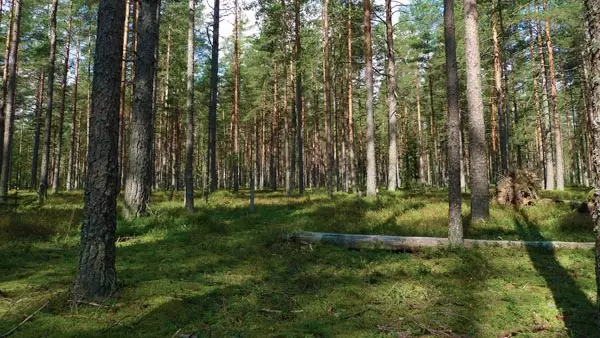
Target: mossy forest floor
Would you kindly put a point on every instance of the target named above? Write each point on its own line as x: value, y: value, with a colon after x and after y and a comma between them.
x: 224, y: 272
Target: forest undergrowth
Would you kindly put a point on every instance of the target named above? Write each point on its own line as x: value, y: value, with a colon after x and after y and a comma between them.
x: 225, y: 272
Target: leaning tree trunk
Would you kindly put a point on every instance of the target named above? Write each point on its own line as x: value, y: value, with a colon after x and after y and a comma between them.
x: 96, y: 276
x: 371, y: 165
x: 9, y: 105
x: 391, y: 100
x: 45, y: 168
x: 477, y: 150
x: 140, y: 159
x: 61, y: 110
x: 593, y: 19
x: 189, y: 133
x: 455, y: 229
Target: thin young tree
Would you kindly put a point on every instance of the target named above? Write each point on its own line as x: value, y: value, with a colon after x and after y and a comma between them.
x: 45, y: 168
x: 455, y: 228
x: 371, y: 164
x: 140, y: 156
x: 477, y: 149
x: 189, y: 136
x: 10, y: 104
x: 96, y: 275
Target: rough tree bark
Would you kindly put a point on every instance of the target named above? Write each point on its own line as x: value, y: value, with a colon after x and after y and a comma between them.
x: 391, y: 100
x: 45, y: 168
x: 477, y: 149
x: 371, y: 164
x: 593, y: 20
x: 189, y: 133
x: 140, y: 158
x: 9, y: 105
x: 455, y: 228
x: 96, y: 276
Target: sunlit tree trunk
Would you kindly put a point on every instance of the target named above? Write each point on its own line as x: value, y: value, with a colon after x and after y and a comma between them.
x: 236, y: 96
x: 477, y: 150
x: 593, y: 19
x: 299, y: 106
x: 391, y: 99
x: 45, y: 168
x: 455, y: 229
x: 547, y: 139
x: 122, y: 96
x: 140, y: 158
x: 327, y: 99
x: 96, y: 275
x: 189, y: 134
x: 371, y: 165
x: 212, y: 108
x: 351, y: 159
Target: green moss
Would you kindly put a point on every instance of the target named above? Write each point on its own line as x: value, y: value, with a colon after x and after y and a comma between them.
x: 224, y: 272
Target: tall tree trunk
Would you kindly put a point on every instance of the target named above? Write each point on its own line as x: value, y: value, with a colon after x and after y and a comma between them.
x: 212, y: 108
x: 455, y: 228
x: 536, y: 99
x: 558, y: 144
x: 96, y: 275
x: 61, y: 110
x: 419, y: 122
x: 122, y: 148
x: 352, y: 166
x: 327, y: 98
x: 236, y: 98
x: 39, y: 102
x: 140, y: 158
x: 50, y: 104
x: 499, y: 90
x: 391, y: 100
x: 10, y: 105
x: 371, y: 165
x: 299, y: 106
x: 547, y: 139
x: 189, y: 134
x: 4, y: 78
x: 477, y: 151
x: 593, y: 19
x: 74, y: 128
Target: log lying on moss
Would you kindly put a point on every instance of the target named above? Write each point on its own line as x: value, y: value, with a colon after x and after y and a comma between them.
x: 415, y: 243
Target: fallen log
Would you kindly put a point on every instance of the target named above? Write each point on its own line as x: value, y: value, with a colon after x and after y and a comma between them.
x: 415, y: 243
